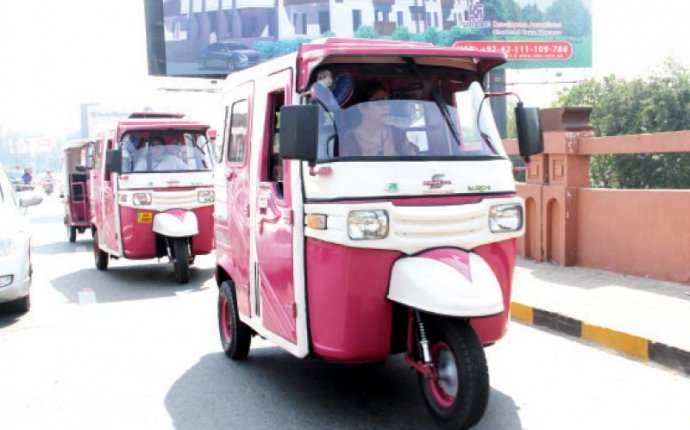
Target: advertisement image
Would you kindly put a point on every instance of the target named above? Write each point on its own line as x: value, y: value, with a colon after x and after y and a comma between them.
x: 216, y: 37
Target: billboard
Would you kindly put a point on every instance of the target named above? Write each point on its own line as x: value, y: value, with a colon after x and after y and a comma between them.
x: 211, y: 38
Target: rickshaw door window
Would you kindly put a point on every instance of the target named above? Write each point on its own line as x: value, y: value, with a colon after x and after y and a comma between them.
x: 238, y: 132
x: 275, y: 163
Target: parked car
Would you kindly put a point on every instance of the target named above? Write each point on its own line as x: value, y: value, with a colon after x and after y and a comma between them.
x: 15, y: 247
x: 228, y: 56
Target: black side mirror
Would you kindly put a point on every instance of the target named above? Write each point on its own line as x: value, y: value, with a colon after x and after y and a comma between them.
x: 299, y: 132
x: 529, y: 130
x: 81, y: 169
x: 113, y: 161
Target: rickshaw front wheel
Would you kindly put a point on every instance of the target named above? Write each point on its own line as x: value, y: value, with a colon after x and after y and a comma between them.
x: 457, y: 396
x: 181, y: 259
x: 235, y: 336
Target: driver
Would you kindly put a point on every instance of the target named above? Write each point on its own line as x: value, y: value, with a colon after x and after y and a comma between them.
x: 373, y: 136
x: 158, y: 160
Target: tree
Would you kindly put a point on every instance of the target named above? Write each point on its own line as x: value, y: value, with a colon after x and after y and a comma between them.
x: 532, y: 13
x: 401, y: 33
x: 576, y: 19
x: 366, y: 32
x: 653, y: 104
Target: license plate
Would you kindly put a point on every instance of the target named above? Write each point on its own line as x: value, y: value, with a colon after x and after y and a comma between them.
x: 145, y: 217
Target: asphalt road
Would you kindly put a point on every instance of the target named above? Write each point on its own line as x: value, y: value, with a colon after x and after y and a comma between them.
x: 131, y: 349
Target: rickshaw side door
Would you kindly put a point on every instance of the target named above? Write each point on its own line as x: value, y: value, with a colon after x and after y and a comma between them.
x: 96, y: 185
x: 110, y: 209
x: 274, y: 216
x: 232, y: 208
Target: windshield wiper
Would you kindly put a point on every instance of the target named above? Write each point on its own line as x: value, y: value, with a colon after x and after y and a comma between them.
x: 437, y: 97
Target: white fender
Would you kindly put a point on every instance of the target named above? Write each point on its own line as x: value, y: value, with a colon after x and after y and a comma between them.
x: 432, y: 286
x: 167, y: 224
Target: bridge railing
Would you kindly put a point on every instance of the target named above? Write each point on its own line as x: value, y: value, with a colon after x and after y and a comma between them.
x: 636, y: 232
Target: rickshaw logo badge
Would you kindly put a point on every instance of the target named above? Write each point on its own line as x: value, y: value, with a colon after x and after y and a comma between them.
x: 437, y: 181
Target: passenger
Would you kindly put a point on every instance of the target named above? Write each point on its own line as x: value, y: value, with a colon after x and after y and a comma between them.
x: 373, y: 136
x: 157, y: 160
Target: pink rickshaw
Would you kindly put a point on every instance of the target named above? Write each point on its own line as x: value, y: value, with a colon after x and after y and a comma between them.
x: 153, y: 194
x: 352, y: 254
x: 77, y: 159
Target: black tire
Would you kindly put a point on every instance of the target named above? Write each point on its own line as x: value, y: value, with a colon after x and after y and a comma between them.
x: 180, y: 250
x: 17, y: 306
x: 100, y: 257
x: 71, y: 233
x: 235, y: 336
x: 458, y: 398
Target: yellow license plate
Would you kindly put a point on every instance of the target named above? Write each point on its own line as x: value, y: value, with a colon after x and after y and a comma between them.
x: 145, y: 217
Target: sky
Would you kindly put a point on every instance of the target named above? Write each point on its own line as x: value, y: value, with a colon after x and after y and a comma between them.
x: 56, y: 55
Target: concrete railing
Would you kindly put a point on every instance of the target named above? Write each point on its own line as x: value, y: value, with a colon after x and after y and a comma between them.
x: 637, y: 232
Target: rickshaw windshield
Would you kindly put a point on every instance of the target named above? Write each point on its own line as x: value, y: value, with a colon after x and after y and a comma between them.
x: 405, y: 118
x: 165, y: 151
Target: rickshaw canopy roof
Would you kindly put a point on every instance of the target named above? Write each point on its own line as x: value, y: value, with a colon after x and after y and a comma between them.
x: 333, y: 50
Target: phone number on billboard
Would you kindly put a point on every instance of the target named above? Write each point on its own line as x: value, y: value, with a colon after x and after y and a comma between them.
x: 522, y: 50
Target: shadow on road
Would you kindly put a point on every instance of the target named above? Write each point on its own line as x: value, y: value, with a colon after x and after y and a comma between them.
x: 9, y: 318
x: 131, y: 282
x: 63, y: 247
x: 275, y: 390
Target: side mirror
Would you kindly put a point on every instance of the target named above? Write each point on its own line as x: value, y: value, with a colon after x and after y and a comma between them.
x: 211, y: 134
x: 113, y: 161
x: 33, y: 200
x: 529, y: 130
x: 299, y: 132
x: 81, y: 169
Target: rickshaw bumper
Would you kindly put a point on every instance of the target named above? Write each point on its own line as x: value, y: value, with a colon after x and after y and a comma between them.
x: 176, y: 223
x: 448, y: 282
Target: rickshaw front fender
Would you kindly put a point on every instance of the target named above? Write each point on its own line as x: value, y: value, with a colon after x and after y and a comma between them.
x: 448, y: 282
x: 176, y: 223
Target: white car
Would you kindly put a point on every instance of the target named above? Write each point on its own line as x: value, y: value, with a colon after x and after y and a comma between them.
x: 15, y: 247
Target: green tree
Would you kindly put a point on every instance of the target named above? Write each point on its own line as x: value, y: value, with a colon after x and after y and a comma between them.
x: 502, y: 10
x: 576, y: 19
x: 653, y: 104
x: 532, y: 13
x: 366, y: 32
x: 401, y: 33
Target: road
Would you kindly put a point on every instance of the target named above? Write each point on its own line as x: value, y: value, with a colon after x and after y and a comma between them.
x: 131, y: 349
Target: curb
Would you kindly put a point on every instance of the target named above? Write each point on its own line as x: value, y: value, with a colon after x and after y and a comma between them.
x: 627, y: 344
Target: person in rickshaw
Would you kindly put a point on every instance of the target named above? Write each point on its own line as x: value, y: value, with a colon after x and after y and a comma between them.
x: 158, y: 159
x: 372, y: 136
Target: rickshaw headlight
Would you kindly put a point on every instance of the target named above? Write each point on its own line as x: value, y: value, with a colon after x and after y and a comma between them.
x: 7, y: 245
x: 141, y: 199
x: 505, y: 218
x: 367, y: 225
x: 206, y: 196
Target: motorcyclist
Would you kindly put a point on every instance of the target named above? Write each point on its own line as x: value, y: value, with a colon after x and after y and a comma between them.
x: 26, y: 177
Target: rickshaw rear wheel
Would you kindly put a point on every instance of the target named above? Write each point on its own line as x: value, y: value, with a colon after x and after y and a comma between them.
x: 458, y: 396
x: 235, y: 336
x: 71, y: 233
x: 181, y: 259
x: 100, y: 257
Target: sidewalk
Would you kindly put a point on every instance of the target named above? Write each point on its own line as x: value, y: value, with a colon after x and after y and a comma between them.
x: 643, y: 318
